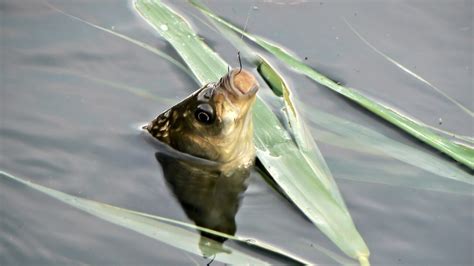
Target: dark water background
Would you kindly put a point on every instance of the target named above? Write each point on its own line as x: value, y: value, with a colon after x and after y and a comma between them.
x: 61, y: 129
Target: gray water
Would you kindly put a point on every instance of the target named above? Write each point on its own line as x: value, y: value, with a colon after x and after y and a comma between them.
x: 63, y: 129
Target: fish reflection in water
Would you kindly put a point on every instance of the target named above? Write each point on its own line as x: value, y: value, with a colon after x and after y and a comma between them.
x: 209, y: 196
x: 210, y: 150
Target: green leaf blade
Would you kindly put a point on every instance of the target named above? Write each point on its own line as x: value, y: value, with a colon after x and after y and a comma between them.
x: 174, y: 28
x: 150, y: 226
x: 310, y: 194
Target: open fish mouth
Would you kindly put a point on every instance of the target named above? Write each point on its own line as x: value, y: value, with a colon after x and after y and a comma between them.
x: 240, y: 83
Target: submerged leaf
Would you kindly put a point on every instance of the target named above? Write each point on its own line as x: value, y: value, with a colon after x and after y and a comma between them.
x: 462, y: 153
x: 168, y: 234
x: 304, y: 182
x: 372, y: 139
x: 162, y: 229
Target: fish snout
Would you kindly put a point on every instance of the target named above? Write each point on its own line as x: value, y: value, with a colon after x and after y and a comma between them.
x: 243, y: 83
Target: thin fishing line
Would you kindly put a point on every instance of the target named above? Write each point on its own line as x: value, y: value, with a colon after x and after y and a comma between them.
x: 242, y: 35
x: 246, y: 20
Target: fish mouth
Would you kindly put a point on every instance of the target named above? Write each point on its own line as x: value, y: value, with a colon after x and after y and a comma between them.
x: 242, y: 84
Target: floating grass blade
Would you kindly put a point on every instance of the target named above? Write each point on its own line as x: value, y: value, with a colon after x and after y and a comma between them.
x: 372, y: 139
x: 297, y: 127
x: 461, y: 153
x: 291, y: 171
x: 279, y: 86
x: 393, y: 175
x: 311, y: 191
x: 244, y: 240
x: 411, y: 73
x: 168, y: 234
x: 162, y: 229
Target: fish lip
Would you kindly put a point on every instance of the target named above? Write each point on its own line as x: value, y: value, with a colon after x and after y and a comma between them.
x: 236, y: 91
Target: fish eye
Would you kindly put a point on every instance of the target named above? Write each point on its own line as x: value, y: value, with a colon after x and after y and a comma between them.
x: 204, y: 113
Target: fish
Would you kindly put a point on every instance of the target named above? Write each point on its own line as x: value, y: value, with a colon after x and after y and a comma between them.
x: 207, y: 151
x: 213, y: 123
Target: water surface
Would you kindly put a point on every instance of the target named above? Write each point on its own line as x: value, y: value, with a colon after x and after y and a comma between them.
x: 63, y: 128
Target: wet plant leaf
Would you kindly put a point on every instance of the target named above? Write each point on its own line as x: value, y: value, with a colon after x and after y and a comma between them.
x: 371, y: 139
x: 464, y: 154
x: 297, y: 127
x: 165, y: 230
x: 391, y: 174
x: 304, y: 183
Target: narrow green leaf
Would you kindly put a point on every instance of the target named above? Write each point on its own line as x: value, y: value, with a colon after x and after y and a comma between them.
x: 392, y: 174
x: 291, y: 171
x: 306, y: 186
x: 462, y: 153
x: 153, y: 228
x: 372, y: 139
x: 162, y: 229
x: 297, y: 127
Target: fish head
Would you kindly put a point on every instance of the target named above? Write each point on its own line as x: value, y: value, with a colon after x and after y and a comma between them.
x: 215, y: 122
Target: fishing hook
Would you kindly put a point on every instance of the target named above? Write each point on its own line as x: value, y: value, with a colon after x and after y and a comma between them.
x: 240, y: 62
